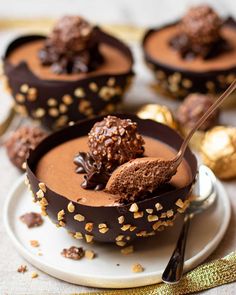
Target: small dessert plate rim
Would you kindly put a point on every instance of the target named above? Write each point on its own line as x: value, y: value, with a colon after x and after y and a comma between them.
x: 124, y: 278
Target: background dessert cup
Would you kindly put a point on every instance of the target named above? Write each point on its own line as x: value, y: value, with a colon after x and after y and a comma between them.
x: 178, y: 71
x: 56, y: 99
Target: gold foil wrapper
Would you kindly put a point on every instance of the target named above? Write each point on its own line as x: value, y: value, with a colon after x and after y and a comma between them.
x: 158, y: 113
x: 218, y: 151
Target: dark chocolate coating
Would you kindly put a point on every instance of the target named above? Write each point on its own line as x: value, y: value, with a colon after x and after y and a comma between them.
x: 21, y: 74
x: 109, y: 215
x: 189, y: 81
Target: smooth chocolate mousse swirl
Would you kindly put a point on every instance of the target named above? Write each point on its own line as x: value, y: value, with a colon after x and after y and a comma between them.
x: 96, y: 176
x: 72, y: 47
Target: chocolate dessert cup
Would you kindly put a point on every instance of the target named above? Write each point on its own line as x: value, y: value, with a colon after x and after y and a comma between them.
x: 176, y: 76
x: 119, y: 223
x: 57, y: 99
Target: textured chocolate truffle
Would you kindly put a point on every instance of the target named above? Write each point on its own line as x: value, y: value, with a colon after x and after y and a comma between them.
x: 21, y: 141
x: 193, y: 108
x: 71, y: 33
x: 201, y: 25
x: 72, y: 47
x: 114, y: 141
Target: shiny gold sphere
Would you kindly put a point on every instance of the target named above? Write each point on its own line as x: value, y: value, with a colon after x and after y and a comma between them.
x: 218, y: 151
x: 158, y: 113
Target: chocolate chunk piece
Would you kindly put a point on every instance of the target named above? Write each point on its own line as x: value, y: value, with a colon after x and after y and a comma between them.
x: 72, y: 47
x: 75, y: 253
x: 32, y: 219
x: 21, y: 141
x: 193, y: 108
x: 114, y: 141
x: 139, y: 177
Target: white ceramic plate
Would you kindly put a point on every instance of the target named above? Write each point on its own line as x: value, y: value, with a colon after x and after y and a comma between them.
x: 111, y: 269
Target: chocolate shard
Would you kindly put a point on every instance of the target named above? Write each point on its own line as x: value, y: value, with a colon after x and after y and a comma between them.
x: 96, y: 175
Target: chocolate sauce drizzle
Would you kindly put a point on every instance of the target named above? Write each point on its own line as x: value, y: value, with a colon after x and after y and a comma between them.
x: 96, y: 176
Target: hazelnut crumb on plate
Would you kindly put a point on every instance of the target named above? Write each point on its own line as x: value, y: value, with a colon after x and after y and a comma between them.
x: 22, y: 268
x: 137, y: 268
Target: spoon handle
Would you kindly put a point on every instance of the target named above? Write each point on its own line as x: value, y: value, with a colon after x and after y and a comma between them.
x: 207, y: 114
x: 174, y: 269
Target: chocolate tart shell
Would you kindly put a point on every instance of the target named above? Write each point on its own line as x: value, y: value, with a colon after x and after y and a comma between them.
x: 178, y: 83
x: 88, y: 103
x: 103, y: 214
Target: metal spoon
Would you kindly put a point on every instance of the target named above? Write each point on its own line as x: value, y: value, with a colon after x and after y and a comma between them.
x: 205, y: 190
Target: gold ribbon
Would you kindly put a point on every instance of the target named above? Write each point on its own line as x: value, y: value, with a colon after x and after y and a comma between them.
x: 209, y: 275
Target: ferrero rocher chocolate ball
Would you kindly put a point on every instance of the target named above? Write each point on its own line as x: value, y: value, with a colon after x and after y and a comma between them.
x: 218, y: 151
x: 21, y: 141
x: 158, y: 113
x: 114, y: 141
x: 71, y: 33
x: 201, y: 25
x: 193, y: 108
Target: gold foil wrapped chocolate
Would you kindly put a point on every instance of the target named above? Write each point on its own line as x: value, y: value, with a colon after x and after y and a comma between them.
x: 158, y: 113
x: 218, y: 151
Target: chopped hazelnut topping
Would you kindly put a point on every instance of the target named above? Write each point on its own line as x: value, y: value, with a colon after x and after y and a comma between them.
x: 149, y: 211
x: 133, y: 208
x: 120, y: 243
x: 78, y: 235
x: 88, y: 238
x: 79, y: 217
x: 119, y: 238
x: 102, y: 225
x: 163, y: 215
x: 170, y: 213
x: 40, y: 194
x: 42, y: 186
x: 137, y: 268
x: 152, y: 218
x: 158, y: 206
x: 23, y: 166
x: 141, y: 233
x: 34, y: 275
x: 121, y: 219
x: 127, y: 250
x: 125, y: 227
x: 61, y: 223
x: 138, y: 214
x: 132, y: 228
x: 179, y: 203
x: 34, y: 243
x: 60, y: 215
x: 71, y: 207
x: 89, y: 254
x: 103, y: 230
x: 156, y: 225
x: 89, y: 226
